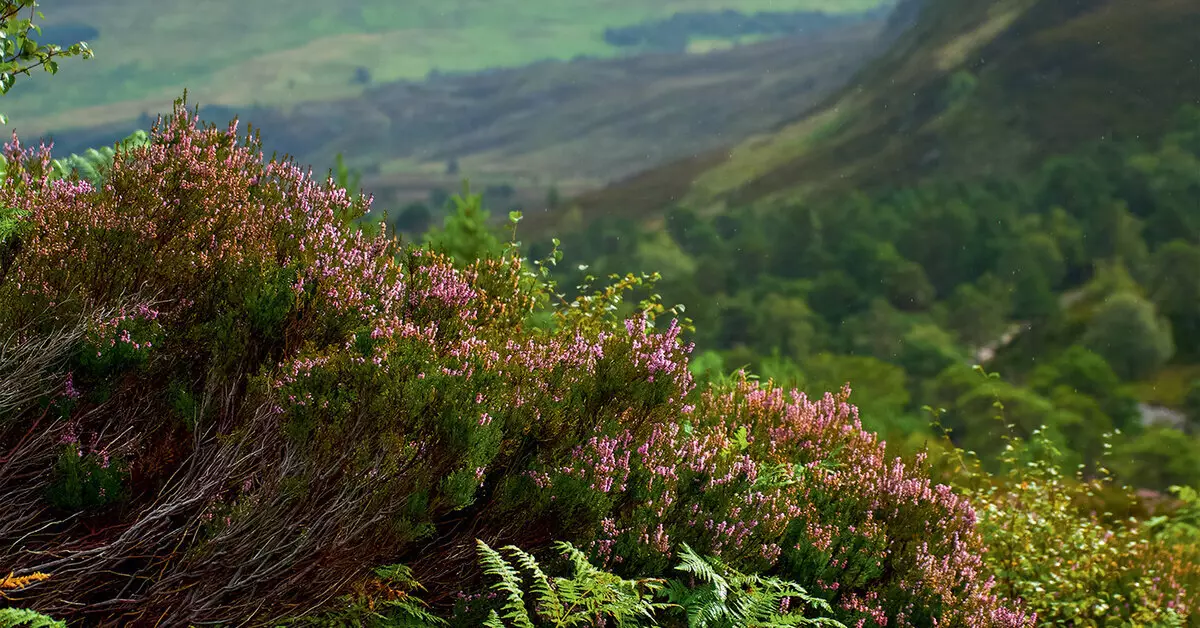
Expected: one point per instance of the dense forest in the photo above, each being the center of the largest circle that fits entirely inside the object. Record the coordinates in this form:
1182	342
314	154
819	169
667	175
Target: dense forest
1078	283
233	393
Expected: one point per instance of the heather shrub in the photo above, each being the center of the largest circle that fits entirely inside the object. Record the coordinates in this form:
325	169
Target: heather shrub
241	403
777	484
230	374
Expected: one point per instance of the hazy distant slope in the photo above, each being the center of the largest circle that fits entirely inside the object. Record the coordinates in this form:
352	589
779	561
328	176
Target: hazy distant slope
591	120
279	52
575	125
978	86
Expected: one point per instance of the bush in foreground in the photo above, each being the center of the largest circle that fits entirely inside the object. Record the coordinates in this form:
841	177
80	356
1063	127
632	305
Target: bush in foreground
226	403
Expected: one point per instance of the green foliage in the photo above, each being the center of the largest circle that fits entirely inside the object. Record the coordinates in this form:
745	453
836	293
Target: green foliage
23	618
1070	565
1064	279
19	50
92	165
1191	407
82	482
384	601
1174	286
712	595
19	54
1158	458
1130	335
725	598
590	597
352	402
466	235
959	89
1182	525
1054	543
9	224
1078	372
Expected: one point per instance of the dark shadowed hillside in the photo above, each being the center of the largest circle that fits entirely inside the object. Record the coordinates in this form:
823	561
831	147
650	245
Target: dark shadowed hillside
978	87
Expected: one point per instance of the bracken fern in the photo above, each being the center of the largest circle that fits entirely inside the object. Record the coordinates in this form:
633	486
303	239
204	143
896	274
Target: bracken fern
24	618
589	597
727	598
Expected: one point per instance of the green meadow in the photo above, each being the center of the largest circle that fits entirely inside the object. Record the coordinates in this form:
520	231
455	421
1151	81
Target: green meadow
277	53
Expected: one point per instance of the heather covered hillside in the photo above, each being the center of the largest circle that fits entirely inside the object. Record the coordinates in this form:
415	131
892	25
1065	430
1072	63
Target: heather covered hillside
233	393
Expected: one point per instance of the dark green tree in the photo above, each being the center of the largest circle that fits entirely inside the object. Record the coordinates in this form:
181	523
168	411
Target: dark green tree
415	218
786	324
466	234
927	350
1128	333
978	312
1084	372
1174	287
1191	408
1158	458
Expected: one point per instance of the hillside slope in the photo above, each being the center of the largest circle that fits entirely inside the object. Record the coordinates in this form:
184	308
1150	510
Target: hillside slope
588	119
978	87
279	53
577	124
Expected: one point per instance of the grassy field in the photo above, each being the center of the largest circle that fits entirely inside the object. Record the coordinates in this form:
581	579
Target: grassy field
277	52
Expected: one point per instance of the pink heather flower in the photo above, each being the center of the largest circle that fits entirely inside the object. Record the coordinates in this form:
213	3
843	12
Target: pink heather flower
69	387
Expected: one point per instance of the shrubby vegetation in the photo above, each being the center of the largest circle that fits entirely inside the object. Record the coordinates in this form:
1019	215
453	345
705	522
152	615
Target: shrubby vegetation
231	397
244	386
229	367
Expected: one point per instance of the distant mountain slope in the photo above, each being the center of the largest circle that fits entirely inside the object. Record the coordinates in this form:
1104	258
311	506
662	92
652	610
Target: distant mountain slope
282	52
576	124
591	119
977	87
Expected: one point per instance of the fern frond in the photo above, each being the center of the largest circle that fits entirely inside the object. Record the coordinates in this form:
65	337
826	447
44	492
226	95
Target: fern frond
25	618
579	561
410	613
704	569
549	602
493	621
399	575
509	583
729	598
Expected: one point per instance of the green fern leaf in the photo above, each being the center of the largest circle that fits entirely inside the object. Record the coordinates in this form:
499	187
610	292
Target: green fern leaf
493	621
704	569
549	603
509	583
729	598
25	618
398	575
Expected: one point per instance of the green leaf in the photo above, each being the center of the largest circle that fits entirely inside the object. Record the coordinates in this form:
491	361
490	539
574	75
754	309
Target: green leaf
24	618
